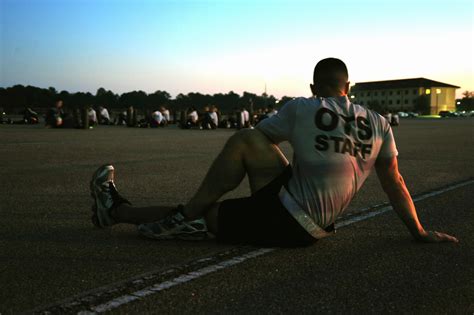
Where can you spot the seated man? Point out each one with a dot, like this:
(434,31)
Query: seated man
(104,116)
(214,117)
(92,116)
(157,119)
(54,116)
(192,119)
(336,144)
(209,119)
(166,113)
(30,116)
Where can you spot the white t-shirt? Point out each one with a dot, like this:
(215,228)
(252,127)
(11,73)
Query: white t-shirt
(214,117)
(92,115)
(158,116)
(335,146)
(244,117)
(193,116)
(166,114)
(105,113)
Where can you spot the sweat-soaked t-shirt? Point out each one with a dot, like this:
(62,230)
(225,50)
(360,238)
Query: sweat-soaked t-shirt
(335,146)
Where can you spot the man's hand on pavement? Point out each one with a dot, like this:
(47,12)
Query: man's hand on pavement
(436,237)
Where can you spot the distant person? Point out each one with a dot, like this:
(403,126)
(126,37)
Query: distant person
(336,144)
(244,118)
(214,116)
(166,114)
(92,116)
(30,117)
(55,115)
(121,119)
(104,116)
(157,119)
(193,118)
(3,117)
(395,120)
(209,119)
(271,112)
(259,115)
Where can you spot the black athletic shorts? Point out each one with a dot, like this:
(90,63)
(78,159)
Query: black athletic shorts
(261,219)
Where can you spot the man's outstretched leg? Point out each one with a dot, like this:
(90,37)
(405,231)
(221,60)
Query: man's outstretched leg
(246,152)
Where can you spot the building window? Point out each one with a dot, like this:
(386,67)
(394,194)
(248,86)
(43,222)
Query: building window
(438,91)
(414,101)
(415,92)
(368,93)
(389,102)
(383,93)
(375,93)
(398,92)
(406,92)
(382,102)
(398,101)
(406,102)
(391,92)
(427,91)
(361,94)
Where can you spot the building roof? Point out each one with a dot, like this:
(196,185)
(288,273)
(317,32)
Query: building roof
(403,83)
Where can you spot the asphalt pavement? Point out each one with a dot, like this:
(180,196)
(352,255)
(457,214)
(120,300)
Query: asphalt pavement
(50,252)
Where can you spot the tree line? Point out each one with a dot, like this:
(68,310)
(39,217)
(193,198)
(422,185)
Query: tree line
(18,97)
(466,102)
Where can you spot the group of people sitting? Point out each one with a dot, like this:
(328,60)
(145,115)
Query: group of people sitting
(211,118)
(88,117)
(30,117)
(100,116)
(56,117)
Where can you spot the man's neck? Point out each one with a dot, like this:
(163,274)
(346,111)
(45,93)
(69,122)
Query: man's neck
(331,95)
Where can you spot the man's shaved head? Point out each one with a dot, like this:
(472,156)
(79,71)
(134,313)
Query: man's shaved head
(330,77)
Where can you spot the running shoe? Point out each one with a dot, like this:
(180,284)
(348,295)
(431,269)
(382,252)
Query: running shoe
(105,195)
(174,227)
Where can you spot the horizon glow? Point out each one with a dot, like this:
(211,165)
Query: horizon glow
(221,46)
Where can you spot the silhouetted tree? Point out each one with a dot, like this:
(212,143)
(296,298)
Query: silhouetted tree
(182,101)
(18,97)
(158,98)
(467,102)
(226,102)
(106,98)
(137,99)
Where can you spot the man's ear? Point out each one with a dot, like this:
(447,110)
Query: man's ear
(346,87)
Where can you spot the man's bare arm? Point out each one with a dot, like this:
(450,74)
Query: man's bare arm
(397,192)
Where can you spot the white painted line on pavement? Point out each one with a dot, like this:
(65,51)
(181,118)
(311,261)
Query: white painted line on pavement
(373,213)
(124,299)
(174,282)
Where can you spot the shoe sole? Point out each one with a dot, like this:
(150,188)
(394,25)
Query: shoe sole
(95,218)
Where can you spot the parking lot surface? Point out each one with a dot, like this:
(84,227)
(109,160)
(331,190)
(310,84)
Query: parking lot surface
(49,251)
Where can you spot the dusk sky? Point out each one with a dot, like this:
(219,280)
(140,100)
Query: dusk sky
(218,46)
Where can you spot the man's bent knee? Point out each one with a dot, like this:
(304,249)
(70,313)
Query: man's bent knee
(252,137)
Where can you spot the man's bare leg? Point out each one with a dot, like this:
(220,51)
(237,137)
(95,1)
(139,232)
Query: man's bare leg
(246,152)
(138,215)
